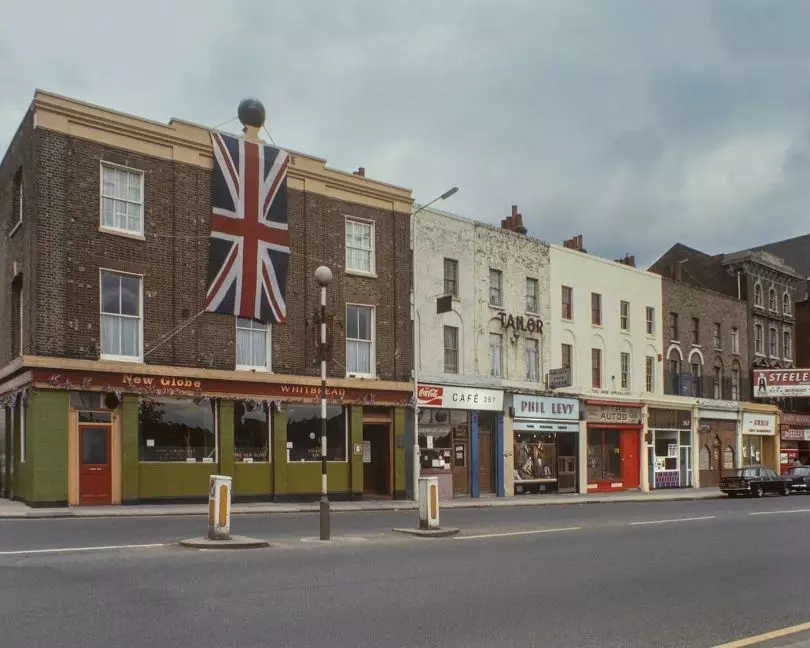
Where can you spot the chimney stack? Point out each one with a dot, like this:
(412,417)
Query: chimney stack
(628,260)
(361,171)
(679,271)
(514,223)
(574,243)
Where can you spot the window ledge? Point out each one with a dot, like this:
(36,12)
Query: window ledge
(15,228)
(121,232)
(625,331)
(117,358)
(496,307)
(266,370)
(360,273)
(361,375)
(597,326)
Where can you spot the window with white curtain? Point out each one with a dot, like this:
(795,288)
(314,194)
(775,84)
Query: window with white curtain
(252,345)
(359,246)
(451,349)
(121,199)
(121,313)
(532,359)
(359,340)
(496,355)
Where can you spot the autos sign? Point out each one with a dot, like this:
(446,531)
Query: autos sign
(781,383)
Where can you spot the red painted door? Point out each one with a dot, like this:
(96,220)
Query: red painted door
(630,464)
(95,479)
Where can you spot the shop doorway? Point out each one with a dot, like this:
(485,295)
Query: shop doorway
(630,461)
(485,462)
(717,455)
(377,459)
(95,474)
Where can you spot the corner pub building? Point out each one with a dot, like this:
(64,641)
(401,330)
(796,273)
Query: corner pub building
(118,386)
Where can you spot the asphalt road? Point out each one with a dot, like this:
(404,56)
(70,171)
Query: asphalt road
(634,574)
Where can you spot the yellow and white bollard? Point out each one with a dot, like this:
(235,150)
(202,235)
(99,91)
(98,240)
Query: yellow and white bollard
(219,507)
(428,503)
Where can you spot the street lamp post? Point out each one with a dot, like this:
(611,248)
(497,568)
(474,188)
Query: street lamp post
(323,276)
(415,397)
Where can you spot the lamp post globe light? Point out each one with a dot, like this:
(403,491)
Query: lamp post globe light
(415,397)
(323,276)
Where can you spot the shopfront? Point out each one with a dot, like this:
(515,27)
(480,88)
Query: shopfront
(546,448)
(717,438)
(794,432)
(614,444)
(108,438)
(759,441)
(669,449)
(460,431)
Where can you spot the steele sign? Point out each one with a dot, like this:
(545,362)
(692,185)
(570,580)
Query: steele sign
(781,383)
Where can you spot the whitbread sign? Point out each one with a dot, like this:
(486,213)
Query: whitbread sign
(781,383)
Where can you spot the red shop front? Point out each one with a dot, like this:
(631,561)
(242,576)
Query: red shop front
(614,445)
(794,430)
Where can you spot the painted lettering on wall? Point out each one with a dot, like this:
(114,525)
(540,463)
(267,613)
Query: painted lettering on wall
(129,380)
(519,323)
(305,390)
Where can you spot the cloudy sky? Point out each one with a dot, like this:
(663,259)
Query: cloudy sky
(635,123)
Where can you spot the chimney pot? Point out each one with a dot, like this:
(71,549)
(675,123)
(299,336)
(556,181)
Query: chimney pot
(514,211)
(361,171)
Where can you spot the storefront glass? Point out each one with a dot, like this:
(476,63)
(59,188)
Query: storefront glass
(437,430)
(251,432)
(177,429)
(604,454)
(304,432)
(751,450)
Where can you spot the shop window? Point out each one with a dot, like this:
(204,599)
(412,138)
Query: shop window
(438,429)
(251,432)
(535,456)
(705,458)
(604,455)
(304,433)
(177,429)
(728,458)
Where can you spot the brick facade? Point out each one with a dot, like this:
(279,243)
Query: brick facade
(62,249)
(709,308)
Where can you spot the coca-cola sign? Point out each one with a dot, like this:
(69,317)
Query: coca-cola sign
(430,396)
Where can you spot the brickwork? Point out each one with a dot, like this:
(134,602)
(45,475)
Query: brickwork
(173,258)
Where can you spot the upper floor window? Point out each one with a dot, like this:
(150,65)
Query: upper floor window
(758,295)
(360,340)
(17,200)
(451,277)
(567,353)
(625,370)
(451,349)
(773,342)
(252,345)
(772,300)
(716,337)
(495,287)
(359,246)
(17,322)
(624,316)
(735,383)
(596,309)
(758,338)
(695,330)
(735,340)
(122,199)
(650,320)
(496,355)
(786,304)
(121,316)
(532,359)
(567,303)
(531,295)
(786,346)
(717,382)
(673,326)
(596,368)
(649,373)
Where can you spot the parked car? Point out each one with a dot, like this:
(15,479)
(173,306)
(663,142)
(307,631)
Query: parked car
(800,477)
(755,481)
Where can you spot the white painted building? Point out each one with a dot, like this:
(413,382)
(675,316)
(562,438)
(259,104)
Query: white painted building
(492,341)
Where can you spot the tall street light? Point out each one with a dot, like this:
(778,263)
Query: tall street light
(416,452)
(323,276)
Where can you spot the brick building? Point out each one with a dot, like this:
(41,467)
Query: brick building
(118,387)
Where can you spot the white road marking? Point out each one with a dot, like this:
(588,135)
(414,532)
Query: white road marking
(22,552)
(515,533)
(691,519)
(780,512)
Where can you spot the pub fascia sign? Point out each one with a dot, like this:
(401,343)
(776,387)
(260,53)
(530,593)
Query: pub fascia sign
(517,323)
(613,414)
(546,407)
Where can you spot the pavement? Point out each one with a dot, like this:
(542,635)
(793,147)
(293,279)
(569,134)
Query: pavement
(703,573)
(10,509)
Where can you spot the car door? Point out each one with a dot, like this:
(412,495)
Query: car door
(770,480)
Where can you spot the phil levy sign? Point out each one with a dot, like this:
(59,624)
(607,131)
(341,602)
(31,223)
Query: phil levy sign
(546,407)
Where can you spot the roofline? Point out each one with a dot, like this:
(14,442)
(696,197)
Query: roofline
(588,255)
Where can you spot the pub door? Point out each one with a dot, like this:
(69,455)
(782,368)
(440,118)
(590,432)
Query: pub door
(95,473)
(377,466)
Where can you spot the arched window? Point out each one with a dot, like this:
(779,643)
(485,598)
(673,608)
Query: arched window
(786,304)
(705,458)
(735,381)
(728,458)
(717,379)
(772,299)
(673,370)
(758,295)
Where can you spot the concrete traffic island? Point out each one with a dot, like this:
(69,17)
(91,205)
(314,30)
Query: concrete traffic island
(428,512)
(219,521)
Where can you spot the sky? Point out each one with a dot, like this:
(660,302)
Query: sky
(637,124)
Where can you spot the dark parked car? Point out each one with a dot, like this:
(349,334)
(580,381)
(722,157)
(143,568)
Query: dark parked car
(800,477)
(755,481)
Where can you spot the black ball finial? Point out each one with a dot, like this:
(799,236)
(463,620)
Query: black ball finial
(251,112)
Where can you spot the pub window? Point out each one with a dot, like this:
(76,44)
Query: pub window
(304,433)
(251,432)
(177,429)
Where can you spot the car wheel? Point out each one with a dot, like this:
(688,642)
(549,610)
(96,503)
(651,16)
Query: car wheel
(757,490)
(786,489)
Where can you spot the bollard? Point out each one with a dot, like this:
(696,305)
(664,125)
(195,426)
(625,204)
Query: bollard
(428,503)
(219,507)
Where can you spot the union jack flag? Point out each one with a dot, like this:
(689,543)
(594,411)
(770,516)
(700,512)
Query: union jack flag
(250,246)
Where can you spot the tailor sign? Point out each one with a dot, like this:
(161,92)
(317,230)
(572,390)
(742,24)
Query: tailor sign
(466,398)
(781,383)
